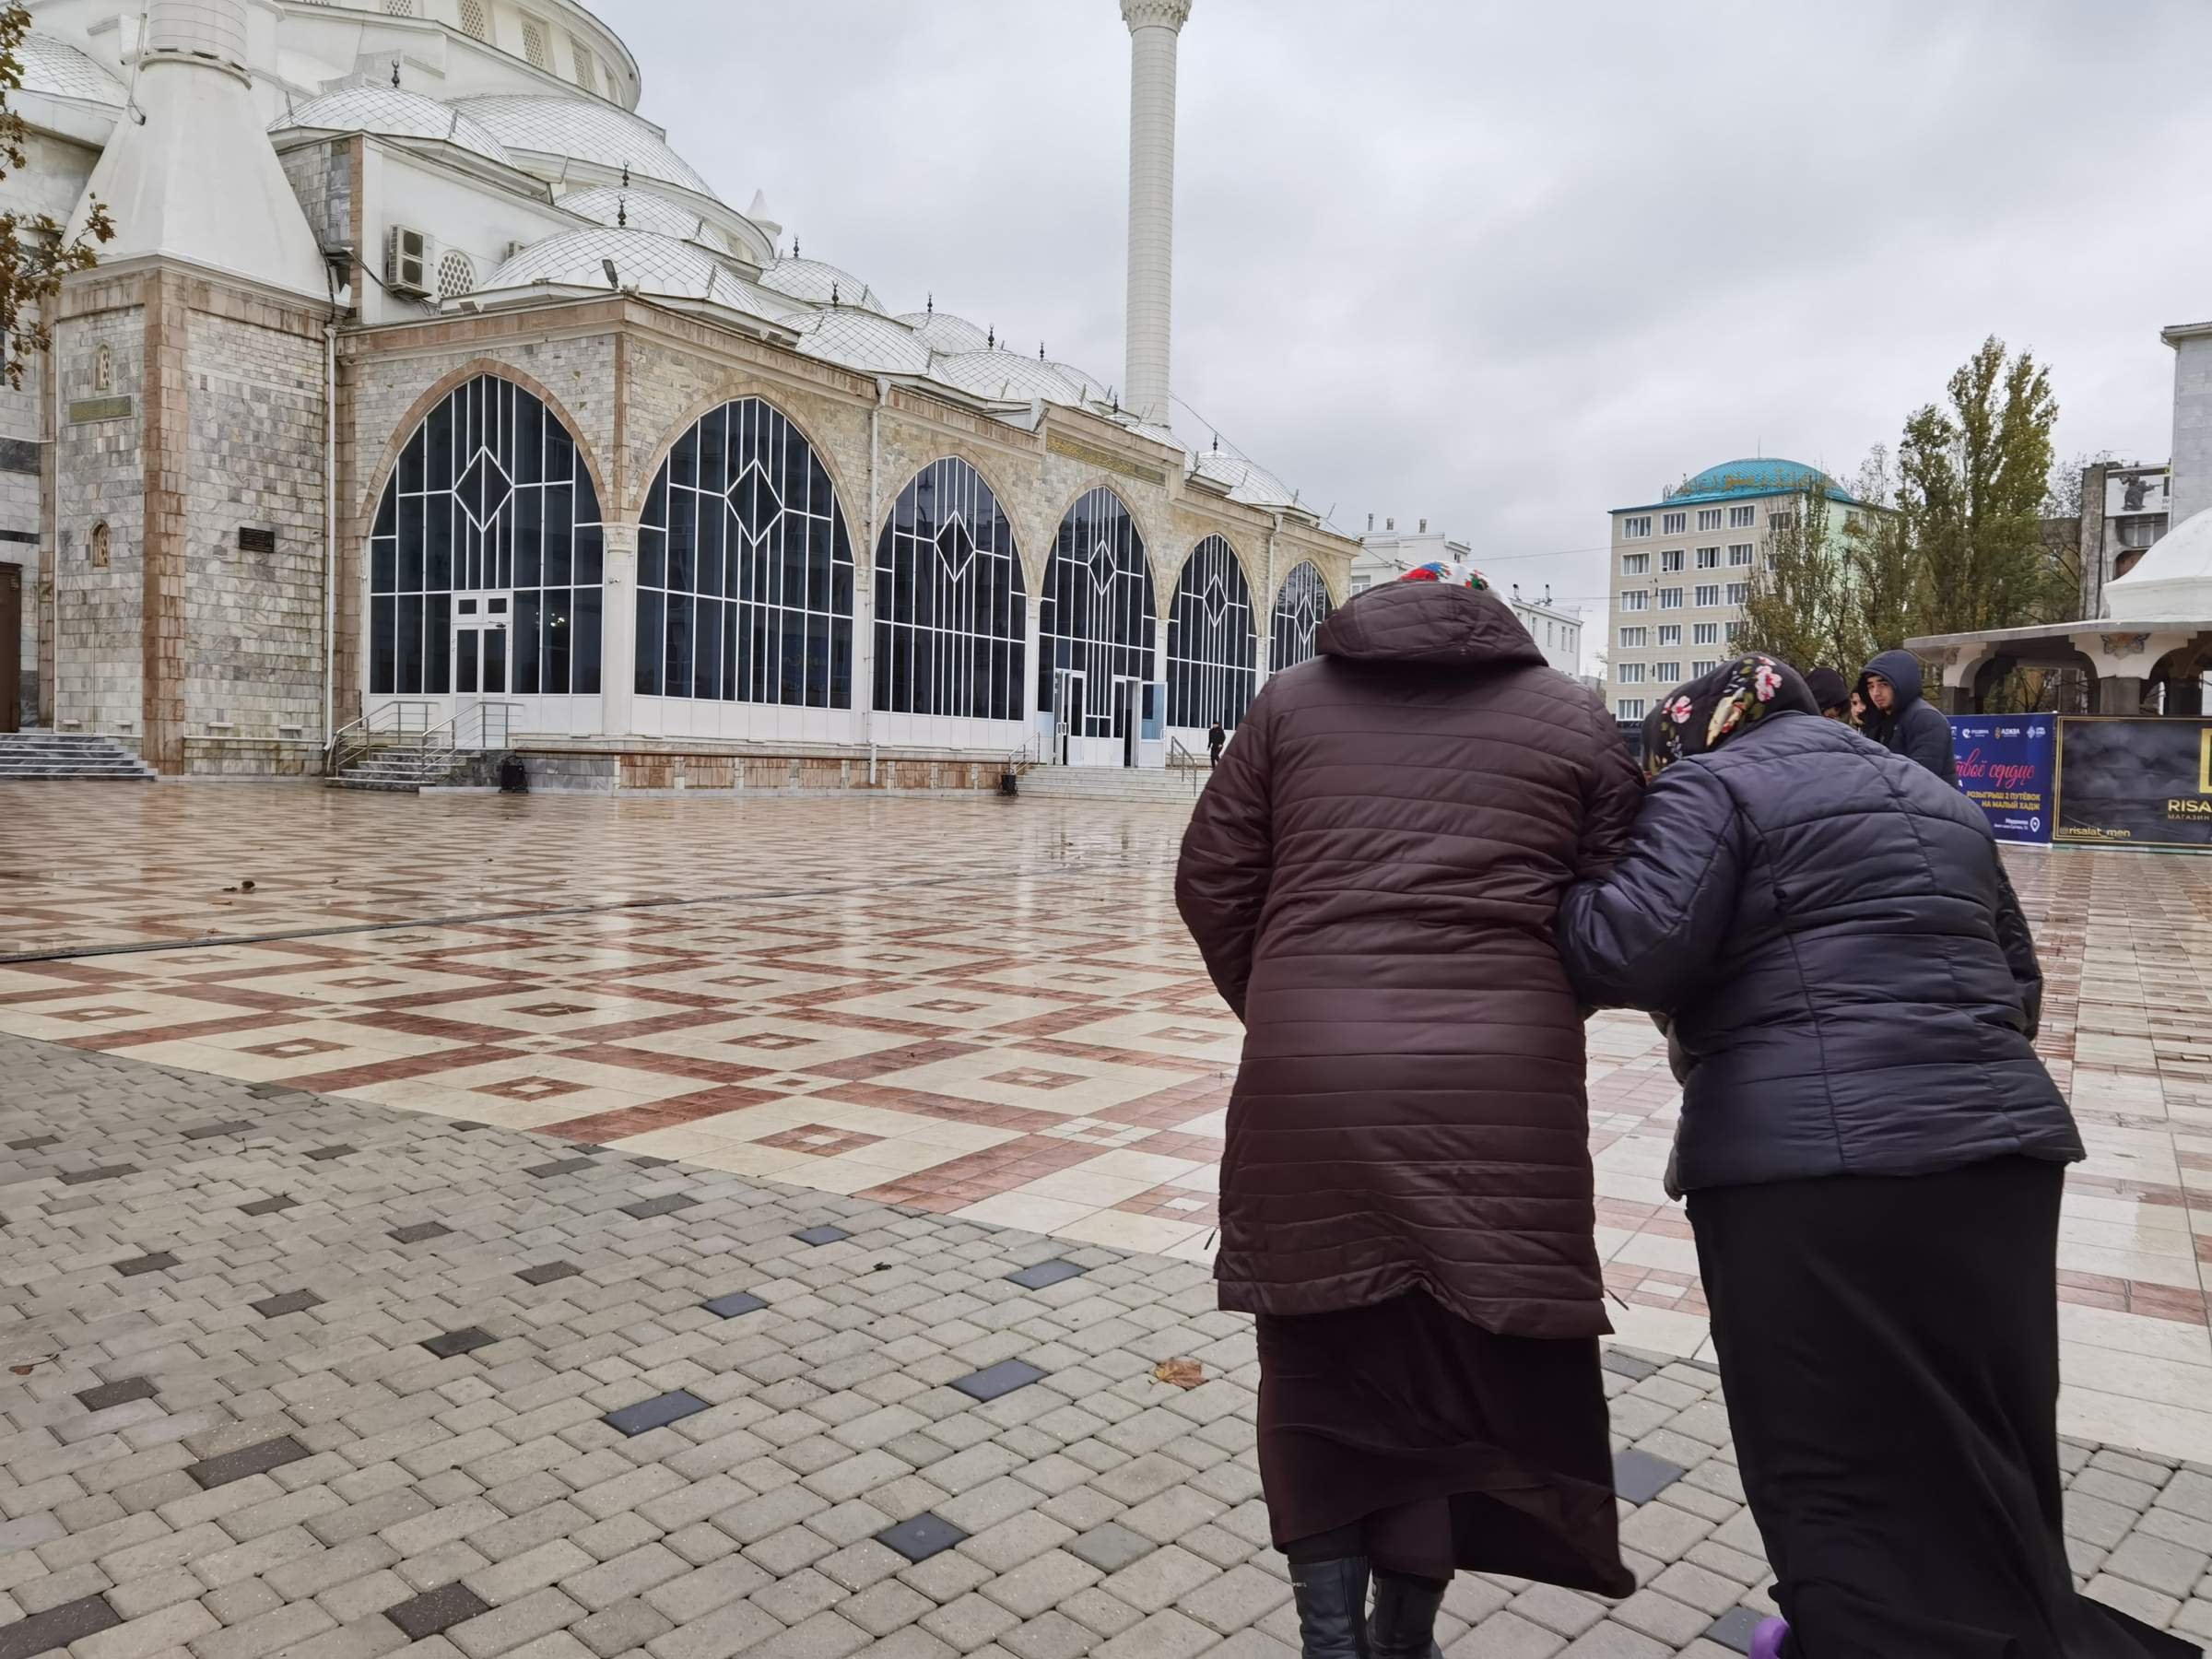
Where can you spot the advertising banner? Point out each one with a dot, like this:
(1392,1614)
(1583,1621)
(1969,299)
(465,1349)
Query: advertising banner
(2134,782)
(2006,763)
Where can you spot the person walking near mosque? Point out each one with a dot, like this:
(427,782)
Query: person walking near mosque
(1215,740)
(1900,719)
(1407,1199)
(1874,1157)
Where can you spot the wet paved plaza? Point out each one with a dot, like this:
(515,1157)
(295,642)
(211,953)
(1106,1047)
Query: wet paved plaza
(969,1033)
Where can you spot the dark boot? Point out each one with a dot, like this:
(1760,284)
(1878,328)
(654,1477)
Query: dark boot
(1405,1621)
(1332,1608)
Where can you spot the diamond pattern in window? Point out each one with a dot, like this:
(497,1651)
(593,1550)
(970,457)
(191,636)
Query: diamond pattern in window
(956,548)
(483,489)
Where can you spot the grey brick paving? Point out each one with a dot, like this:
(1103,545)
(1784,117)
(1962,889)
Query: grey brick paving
(261,1402)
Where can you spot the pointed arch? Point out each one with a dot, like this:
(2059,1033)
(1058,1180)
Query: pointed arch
(489,491)
(744,568)
(1299,610)
(1213,646)
(1096,617)
(951,608)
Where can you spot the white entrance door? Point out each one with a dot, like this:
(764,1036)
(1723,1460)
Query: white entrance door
(1068,712)
(480,654)
(1128,716)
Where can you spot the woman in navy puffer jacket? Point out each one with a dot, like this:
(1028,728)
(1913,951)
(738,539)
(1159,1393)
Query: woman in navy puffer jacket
(1873,1156)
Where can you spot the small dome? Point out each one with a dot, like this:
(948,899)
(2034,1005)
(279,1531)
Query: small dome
(1007,375)
(392,113)
(1243,480)
(820,284)
(2171,583)
(945,333)
(1090,385)
(584,130)
(60,70)
(637,210)
(654,265)
(860,339)
(1763,475)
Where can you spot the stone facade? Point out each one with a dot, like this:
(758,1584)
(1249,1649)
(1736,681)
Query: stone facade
(99,523)
(321,176)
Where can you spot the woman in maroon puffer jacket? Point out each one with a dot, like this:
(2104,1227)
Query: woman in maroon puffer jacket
(1406,1196)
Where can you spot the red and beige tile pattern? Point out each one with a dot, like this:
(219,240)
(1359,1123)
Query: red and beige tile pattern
(976,1007)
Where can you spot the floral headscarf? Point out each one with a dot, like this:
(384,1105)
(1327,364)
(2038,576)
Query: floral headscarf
(1451,575)
(1714,707)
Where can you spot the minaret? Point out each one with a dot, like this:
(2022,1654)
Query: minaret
(1153,28)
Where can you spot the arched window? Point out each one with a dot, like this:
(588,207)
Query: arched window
(950,601)
(1094,627)
(1211,647)
(1299,611)
(484,564)
(744,572)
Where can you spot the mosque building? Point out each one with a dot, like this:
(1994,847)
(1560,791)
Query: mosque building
(426,393)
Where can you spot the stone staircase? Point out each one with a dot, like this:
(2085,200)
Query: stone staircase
(399,770)
(26,757)
(1173,786)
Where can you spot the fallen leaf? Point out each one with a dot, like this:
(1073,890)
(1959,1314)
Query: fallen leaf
(22,1370)
(1180,1373)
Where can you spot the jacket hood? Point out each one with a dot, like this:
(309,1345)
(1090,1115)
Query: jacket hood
(1902,669)
(1827,688)
(1428,622)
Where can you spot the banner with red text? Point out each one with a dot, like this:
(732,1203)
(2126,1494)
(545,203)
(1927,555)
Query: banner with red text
(2006,763)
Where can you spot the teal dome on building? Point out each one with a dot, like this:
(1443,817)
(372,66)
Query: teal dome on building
(1757,476)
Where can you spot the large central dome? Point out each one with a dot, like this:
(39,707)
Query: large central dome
(1756,475)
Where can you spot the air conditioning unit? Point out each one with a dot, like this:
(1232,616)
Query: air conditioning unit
(409,262)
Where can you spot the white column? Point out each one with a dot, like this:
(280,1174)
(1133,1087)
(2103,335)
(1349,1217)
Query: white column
(1153,28)
(619,631)
(1032,611)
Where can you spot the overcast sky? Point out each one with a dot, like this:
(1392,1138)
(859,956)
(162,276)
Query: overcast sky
(1504,265)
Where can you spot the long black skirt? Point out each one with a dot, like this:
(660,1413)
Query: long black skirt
(1888,1348)
(1442,1444)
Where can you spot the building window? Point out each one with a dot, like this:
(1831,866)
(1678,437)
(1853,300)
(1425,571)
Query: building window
(1360,584)
(1696,669)
(1673,523)
(1212,651)
(1669,672)
(1739,592)
(1635,564)
(536,45)
(490,500)
(1299,614)
(1707,593)
(1736,633)
(474,23)
(1629,707)
(1634,639)
(1670,633)
(399,8)
(1701,633)
(587,66)
(1095,626)
(1709,518)
(1636,599)
(1635,529)
(1671,561)
(1740,518)
(745,574)
(1670,598)
(950,608)
(1740,555)
(1708,559)
(1629,674)
(1781,520)
(457,274)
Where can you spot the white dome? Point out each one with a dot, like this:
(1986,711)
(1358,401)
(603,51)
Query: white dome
(1243,480)
(657,266)
(861,339)
(820,284)
(583,130)
(637,210)
(945,333)
(2172,582)
(1093,389)
(60,70)
(1007,375)
(392,113)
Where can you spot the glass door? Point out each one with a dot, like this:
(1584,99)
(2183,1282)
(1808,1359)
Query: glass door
(480,644)
(1068,711)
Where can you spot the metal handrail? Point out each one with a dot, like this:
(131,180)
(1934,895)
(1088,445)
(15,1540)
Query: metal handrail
(1020,760)
(1179,756)
(399,721)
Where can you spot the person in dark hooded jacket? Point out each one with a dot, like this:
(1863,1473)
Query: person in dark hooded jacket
(1874,1157)
(1407,1195)
(1901,720)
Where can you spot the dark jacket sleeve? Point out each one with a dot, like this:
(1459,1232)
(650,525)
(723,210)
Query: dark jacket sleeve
(1228,857)
(2018,940)
(1925,736)
(1612,791)
(1644,937)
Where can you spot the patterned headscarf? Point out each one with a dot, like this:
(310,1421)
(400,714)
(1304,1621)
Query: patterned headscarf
(1714,707)
(1451,575)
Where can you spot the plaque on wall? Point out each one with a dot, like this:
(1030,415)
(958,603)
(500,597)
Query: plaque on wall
(87,409)
(252,538)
